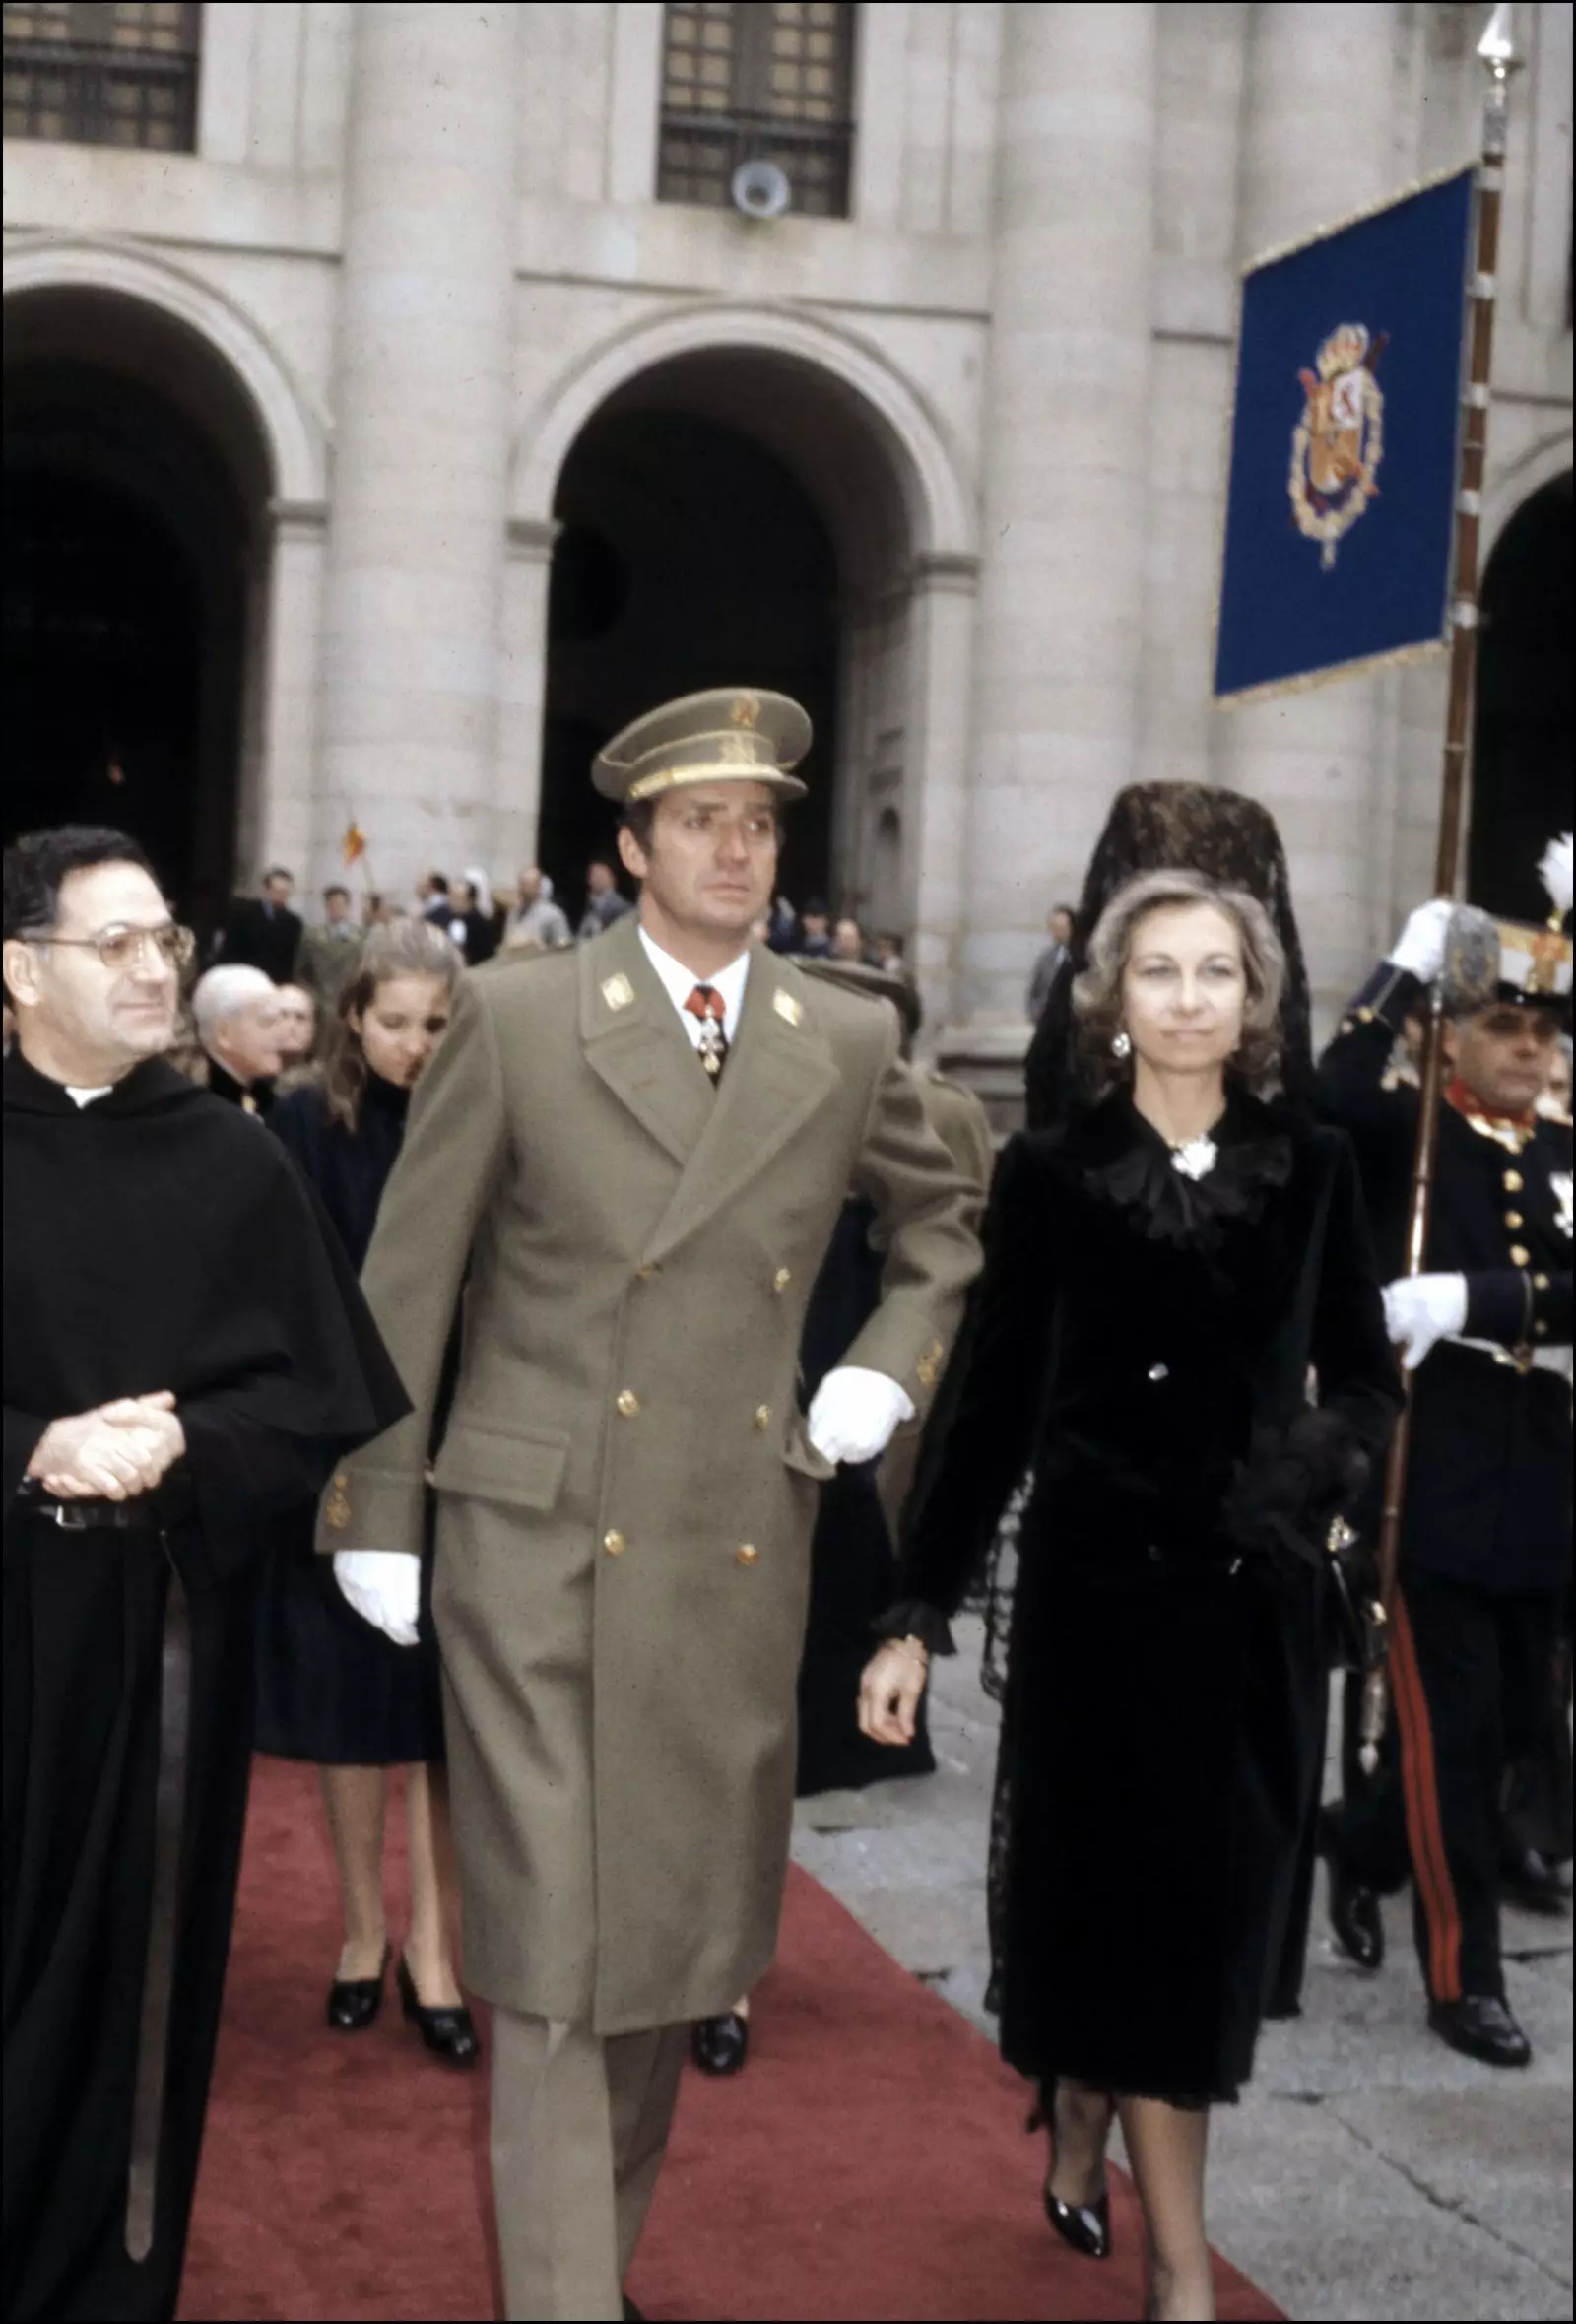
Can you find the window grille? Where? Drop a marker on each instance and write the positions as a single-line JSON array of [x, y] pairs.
[[757, 83], [103, 74]]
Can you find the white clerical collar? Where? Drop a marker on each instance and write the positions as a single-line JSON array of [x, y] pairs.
[[87, 1097], [680, 982]]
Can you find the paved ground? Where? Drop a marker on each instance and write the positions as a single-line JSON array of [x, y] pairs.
[[1369, 2173]]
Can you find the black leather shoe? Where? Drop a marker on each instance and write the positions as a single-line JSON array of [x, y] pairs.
[[448, 2032], [1086, 2226], [1528, 1879], [1480, 2026], [720, 2045], [354, 2002], [1354, 1913]]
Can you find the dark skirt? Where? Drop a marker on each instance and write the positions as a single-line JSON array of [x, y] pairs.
[[330, 1687], [1162, 1742], [852, 1574]]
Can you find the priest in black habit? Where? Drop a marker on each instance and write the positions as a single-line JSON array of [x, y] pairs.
[[186, 1355]]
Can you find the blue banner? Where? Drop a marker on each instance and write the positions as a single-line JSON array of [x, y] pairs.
[[1340, 498]]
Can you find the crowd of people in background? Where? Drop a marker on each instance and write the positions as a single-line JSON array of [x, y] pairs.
[[262, 1012]]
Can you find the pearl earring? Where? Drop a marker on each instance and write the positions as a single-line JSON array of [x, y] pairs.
[[1121, 1046]]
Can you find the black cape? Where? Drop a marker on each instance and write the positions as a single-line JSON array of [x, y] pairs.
[[158, 1240]]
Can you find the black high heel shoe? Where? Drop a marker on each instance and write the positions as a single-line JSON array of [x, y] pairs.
[[1087, 2227], [354, 2002], [449, 2034]]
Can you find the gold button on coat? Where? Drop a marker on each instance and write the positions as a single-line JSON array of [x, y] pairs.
[[1519, 1254], [782, 1279], [1540, 1283], [1514, 1219], [1512, 1182], [762, 1416], [746, 1554], [612, 1543], [628, 1403]]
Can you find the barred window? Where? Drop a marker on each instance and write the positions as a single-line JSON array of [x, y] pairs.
[[114, 74], [765, 82]]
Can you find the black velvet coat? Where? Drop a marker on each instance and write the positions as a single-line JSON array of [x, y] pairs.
[[1143, 1342]]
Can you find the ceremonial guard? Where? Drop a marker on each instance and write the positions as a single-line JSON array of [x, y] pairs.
[[1486, 1534], [632, 1158]]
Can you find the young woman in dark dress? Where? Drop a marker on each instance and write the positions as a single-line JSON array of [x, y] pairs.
[[331, 1688], [1163, 1269]]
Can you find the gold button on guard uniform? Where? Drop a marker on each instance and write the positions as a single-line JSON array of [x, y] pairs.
[[762, 1416], [746, 1554], [782, 1279], [613, 1542], [628, 1403]]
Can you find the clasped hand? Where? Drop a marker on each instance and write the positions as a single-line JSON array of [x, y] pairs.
[[889, 1692], [112, 1453]]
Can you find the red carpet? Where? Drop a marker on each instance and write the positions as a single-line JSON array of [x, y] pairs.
[[870, 2162]]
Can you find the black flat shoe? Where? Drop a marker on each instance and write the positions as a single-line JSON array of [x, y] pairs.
[[448, 2032], [354, 2002], [1354, 1914], [720, 2045], [1480, 2026]]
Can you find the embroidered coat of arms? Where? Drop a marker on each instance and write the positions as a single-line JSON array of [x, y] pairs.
[[1338, 441]]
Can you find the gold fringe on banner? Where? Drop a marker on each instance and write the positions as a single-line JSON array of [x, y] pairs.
[[1424, 649]]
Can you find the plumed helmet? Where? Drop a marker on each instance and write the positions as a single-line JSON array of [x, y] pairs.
[[1174, 826]]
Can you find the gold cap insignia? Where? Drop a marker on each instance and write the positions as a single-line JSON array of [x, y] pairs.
[[337, 1507], [745, 711], [790, 1010], [618, 992]]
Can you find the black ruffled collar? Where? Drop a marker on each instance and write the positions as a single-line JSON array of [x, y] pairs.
[[1124, 1161]]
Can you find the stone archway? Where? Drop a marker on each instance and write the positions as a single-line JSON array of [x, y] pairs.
[[859, 444], [1522, 741], [153, 390]]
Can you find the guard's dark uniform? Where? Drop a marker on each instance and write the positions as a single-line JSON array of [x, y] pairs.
[[1487, 1537]]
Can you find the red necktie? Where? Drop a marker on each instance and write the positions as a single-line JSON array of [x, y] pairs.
[[706, 1003]]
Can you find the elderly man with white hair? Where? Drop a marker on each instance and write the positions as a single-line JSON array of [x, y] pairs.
[[240, 1024]]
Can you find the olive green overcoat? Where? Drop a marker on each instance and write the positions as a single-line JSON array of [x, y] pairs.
[[626, 1491]]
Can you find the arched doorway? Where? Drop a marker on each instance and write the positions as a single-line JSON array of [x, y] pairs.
[[137, 484], [1523, 740], [732, 516]]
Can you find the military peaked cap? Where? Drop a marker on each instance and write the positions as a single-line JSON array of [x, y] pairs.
[[730, 734]]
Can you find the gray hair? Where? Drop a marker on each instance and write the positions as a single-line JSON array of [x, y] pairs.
[[224, 992], [1097, 992]]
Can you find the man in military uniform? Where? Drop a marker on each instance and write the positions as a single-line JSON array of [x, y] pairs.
[[1486, 1544], [632, 1157]]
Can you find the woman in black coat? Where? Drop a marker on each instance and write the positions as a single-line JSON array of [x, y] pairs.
[[330, 1687], [1162, 1270]]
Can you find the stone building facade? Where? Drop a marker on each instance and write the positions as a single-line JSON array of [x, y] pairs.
[[416, 320]]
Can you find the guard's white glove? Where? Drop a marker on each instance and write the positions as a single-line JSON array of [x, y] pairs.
[[853, 1413], [1420, 949], [1422, 1308], [384, 1586]]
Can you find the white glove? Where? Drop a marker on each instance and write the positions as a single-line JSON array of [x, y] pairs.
[[1420, 949], [1422, 1308], [853, 1413], [384, 1586]]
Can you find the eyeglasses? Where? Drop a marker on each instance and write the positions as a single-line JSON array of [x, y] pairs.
[[120, 949]]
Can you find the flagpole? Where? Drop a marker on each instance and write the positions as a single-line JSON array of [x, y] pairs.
[[1497, 53]]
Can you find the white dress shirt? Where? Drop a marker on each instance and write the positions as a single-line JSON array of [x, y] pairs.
[[680, 982]]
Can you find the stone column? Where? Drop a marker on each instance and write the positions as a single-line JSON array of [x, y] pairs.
[[943, 616], [281, 817], [1319, 142], [423, 406], [1061, 618], [522, 694]]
